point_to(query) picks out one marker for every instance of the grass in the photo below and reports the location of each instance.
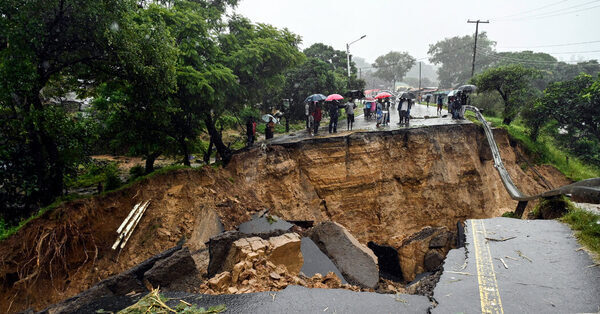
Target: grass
(545, 151)
(587, 228)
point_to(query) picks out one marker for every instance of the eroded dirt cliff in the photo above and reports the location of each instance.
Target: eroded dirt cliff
(382, 186)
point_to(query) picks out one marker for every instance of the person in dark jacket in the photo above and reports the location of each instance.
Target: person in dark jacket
(317, 115)
(333, 115)
(270, 128)
(250, 131)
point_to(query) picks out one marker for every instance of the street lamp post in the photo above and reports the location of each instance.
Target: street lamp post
(348, 56)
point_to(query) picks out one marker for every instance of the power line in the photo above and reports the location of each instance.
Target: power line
(562, 10)
(556, 45)
(551, 15)
(525, 61)
(531, 10)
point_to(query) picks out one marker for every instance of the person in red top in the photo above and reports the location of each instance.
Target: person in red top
(317, 115)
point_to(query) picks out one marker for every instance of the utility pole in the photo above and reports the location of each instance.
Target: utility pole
(348, 56)
(419, 93)
(475, 46)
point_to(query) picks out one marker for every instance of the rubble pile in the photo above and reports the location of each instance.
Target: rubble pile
(254, 264)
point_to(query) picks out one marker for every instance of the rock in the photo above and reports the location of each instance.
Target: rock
(237, 270)
(232, 290)
(315, 261)
(413, 249)
(206, 226)
(220, 281)
(357, 263)
(439, 241)
(170, 269)
(274, 275)
(219, 247)
(433, 260)
(286, 250)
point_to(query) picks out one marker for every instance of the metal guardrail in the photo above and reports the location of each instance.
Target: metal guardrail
(587, 189)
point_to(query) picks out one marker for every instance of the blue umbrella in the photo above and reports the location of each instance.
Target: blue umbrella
(315, 97)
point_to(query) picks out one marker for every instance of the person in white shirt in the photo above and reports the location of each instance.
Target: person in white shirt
(350, 106)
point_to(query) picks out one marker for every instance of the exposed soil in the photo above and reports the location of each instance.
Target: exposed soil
(382, 186)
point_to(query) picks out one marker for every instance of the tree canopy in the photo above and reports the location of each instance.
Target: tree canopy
(393, 66)
(455, 56)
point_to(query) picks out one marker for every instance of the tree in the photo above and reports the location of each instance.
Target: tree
(258, 55)
(455, 55)
(574, 106)
(393, 66)
(41, 41)
(512, 82)
(311, 77)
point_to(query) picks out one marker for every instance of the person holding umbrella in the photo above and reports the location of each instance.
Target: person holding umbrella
(334, 105)
(317, 115)
(269, 129)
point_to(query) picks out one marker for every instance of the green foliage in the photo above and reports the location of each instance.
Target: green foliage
(393, 66)
(512, 83)
(455, 55)
(509, 215)
(545, 151)
(587, 227)
(552, 207)
(93, 173)
(154, 302)
(136, 172)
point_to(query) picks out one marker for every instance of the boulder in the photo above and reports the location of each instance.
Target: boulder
(413, 249)
(357, 263)
(170, 269)
(219, 247)
(286, 250)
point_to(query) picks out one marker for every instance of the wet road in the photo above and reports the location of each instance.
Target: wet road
(518, 266)
(421, 115)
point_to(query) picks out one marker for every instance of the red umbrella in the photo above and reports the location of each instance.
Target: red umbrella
(334, 97)
(383, 95)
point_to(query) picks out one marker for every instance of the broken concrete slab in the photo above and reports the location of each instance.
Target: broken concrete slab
(172, 268)
(315, 261)
(208, 224)
(264, 223)
(357, 262)
(116, 286)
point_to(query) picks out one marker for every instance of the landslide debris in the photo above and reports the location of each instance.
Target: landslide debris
(383, 187)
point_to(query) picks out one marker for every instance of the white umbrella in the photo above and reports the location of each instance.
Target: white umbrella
(267, 116)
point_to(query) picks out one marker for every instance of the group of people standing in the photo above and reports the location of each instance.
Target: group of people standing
(456, 105)
(314, 115)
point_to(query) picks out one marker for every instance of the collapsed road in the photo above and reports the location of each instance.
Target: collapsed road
(403, 190)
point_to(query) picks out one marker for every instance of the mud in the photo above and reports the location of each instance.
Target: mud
(382, 186)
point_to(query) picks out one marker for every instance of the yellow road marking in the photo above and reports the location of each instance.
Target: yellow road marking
(488, 286)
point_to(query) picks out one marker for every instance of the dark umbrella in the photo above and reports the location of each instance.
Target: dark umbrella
(315, 97)
(408, 95)
(468, 88)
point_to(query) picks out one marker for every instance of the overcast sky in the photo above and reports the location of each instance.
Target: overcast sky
(413, 25)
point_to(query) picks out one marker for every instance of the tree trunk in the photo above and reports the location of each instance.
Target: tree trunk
(186, 153)
(287, 123)
(150, 159)
(216, 138)
(208, 152)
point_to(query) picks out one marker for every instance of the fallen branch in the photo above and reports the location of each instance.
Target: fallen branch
(499, 240)
(459, 272)
(523, 256)
(503, 263)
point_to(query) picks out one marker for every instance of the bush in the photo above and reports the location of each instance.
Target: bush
(552, 208)
(136, 171)
(587, 227)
